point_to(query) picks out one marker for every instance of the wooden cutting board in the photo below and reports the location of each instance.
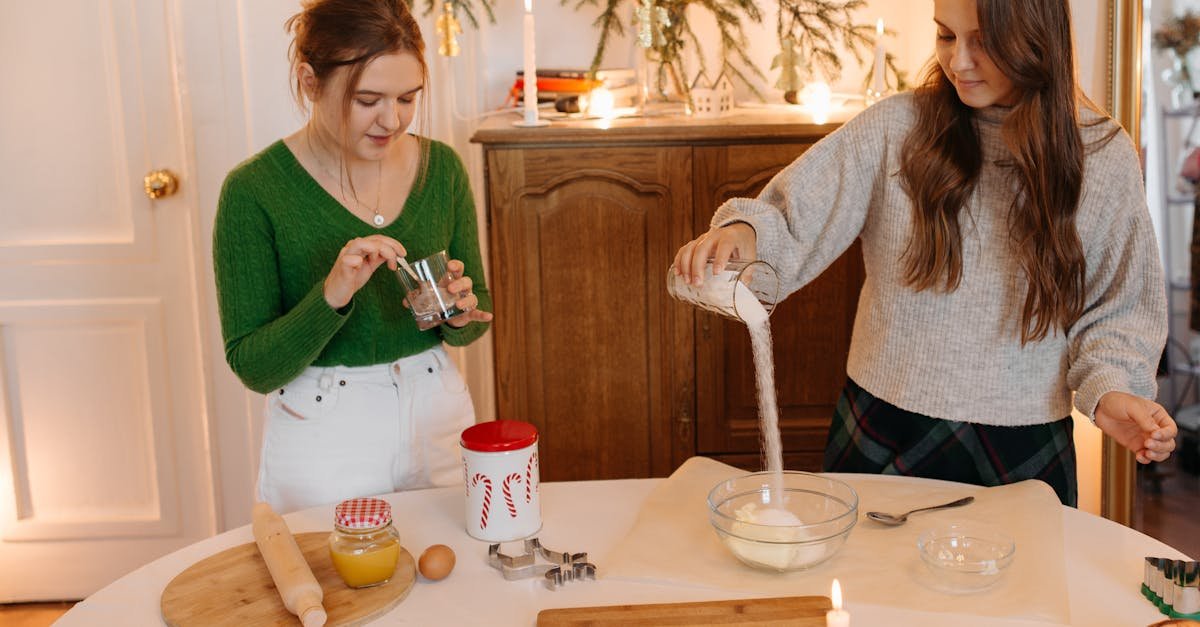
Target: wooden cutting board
(234, 587)
(792, 611)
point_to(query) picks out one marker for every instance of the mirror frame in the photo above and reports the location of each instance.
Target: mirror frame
(1117, 466)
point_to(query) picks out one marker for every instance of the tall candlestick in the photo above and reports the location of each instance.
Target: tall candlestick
(530, 73)
(837, 617)
(530, 67)
(879, 84)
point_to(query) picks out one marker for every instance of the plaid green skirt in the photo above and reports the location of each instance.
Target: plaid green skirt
(873, 436)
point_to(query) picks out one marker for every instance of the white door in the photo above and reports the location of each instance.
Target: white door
(104, 453)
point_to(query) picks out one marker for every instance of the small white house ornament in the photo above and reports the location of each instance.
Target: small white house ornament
(711, 99)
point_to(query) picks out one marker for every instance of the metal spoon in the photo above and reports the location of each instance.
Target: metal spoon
(894, 519)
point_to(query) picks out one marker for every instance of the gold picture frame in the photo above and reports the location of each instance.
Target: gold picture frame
(1117, 466)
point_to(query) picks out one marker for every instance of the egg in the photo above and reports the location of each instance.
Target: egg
(436, 562)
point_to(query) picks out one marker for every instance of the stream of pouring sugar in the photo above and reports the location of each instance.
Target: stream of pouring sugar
(758, 323)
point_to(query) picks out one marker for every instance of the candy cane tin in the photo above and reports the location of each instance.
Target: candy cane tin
(500, 469)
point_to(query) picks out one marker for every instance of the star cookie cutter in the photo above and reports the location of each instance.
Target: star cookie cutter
(556, 570)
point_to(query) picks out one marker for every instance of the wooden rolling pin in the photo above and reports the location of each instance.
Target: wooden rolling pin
(293, 578)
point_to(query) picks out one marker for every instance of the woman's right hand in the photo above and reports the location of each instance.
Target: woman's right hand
(1138, 424)
(356, 262)
(737, 240)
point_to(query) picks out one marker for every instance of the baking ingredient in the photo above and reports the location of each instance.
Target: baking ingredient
(757, 320)
(436, 562)
(293, 578)
(726, 293)
(364, 545)
(359, 569)
(770, 537)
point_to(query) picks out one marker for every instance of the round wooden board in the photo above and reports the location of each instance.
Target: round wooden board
(234, 587)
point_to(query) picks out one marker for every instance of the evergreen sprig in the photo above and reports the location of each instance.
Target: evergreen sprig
(464, 6)
(817, 26)
(608, 22)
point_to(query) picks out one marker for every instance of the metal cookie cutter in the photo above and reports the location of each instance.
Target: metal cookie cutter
(557, 569)
(560, 575)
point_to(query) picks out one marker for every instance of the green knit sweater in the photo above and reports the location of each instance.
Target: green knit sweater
(276, 237)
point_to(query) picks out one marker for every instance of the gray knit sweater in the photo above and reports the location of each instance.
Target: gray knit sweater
(958, 355)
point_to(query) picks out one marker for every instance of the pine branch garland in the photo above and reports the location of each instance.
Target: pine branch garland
(730, 15)
(815, 34)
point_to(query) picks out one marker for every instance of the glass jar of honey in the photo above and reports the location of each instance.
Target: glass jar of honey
(364, 545)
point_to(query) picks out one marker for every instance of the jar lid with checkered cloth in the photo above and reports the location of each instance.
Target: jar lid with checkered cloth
(362, 514)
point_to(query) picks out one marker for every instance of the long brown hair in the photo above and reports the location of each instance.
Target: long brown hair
(334, 34)
(1030, 42)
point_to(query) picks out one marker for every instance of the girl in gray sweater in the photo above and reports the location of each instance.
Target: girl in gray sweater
(1011, 266)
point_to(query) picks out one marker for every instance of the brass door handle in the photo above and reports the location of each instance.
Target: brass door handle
(160, 183)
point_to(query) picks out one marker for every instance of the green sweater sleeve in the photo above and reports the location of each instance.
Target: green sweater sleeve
(265, 346)
(464, 246)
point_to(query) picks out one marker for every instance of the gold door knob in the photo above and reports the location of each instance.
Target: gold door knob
(160, 183)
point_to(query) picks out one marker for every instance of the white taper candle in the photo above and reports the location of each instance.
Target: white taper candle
(878, 84)
(530, 67)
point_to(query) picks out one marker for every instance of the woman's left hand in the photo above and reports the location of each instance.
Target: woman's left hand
(1138, 424)
(467, 300)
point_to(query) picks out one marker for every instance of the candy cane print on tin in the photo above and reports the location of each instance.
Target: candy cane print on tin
(486, 503)
(508, 499)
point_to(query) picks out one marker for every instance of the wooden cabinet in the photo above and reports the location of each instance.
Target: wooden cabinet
(620, 379)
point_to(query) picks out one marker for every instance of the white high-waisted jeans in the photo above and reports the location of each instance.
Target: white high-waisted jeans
(338, 433)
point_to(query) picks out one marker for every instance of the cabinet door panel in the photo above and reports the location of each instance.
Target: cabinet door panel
(811, 331)
(587, 347)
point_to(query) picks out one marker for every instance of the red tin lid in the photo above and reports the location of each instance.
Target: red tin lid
(362, 513)
(499, 435)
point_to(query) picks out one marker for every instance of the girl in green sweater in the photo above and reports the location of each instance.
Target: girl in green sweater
(359, 400)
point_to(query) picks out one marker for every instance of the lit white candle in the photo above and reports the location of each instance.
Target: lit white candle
(837, 617)
(531, 113)
(878, 85)
(817, 99)
(600, 103)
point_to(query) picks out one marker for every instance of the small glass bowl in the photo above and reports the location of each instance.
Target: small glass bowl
(965, 558)
(804, 528)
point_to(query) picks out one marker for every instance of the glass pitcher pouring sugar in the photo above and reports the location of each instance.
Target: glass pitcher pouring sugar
(745, 290)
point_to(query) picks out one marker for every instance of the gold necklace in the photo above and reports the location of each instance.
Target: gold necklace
(378, 218)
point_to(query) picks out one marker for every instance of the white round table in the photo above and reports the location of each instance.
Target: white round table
(1104, 567)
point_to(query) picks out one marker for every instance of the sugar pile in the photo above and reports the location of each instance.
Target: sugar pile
(772, 539)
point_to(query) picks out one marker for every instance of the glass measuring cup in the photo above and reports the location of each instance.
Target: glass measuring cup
(745, 290)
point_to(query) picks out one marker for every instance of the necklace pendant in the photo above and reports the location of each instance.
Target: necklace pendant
(378, 220)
